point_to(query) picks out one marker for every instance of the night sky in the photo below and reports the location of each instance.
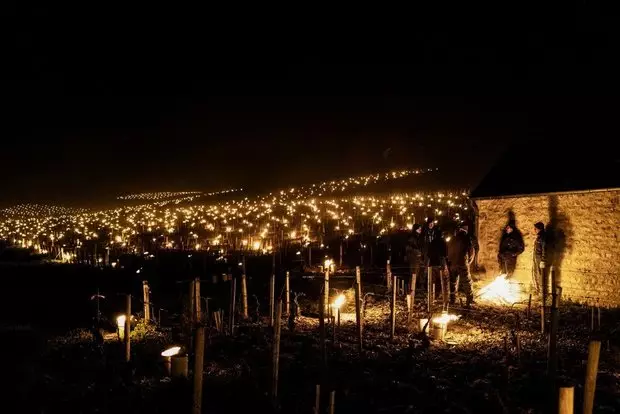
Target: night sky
(101, 100)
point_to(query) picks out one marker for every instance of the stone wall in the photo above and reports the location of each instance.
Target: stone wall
(588, 257)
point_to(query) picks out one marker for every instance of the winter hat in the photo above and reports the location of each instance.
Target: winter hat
(539, 225)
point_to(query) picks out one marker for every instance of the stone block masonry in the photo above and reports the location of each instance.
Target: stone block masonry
(587, 254)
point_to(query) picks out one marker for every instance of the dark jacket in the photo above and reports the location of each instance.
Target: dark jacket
(540, 247)
(416, 242)
(435, 249)
(511, 244)
(460, 249)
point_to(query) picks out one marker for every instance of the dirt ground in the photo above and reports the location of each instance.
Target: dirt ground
(477, 367)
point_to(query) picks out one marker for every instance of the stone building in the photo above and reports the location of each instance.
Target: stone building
(578, 200)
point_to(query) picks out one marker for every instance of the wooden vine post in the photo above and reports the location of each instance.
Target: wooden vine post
(191, 303)
(317, 399)
(199, 348)
(326, 292)
(552, 362)
(146, 300)
(411, 297)
(594, 351)
(244, 292)
(272, 294)
(197, 301)
(287, 294)
(429, 283)
(358, 307)
(566, 400)
(332, 402)
(393, 308)
(388, 276)
(322, 330)
(233, 302)
(276, 353)
(128, 329)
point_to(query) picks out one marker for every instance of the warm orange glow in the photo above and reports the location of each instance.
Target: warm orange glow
(501, 291)
(339, 301)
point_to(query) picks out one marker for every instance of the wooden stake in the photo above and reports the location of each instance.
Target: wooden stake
(199, 348)
(518, 347)
(317, 399)
(388, 276)
(146, 300)
(233, 300)
(542, 318)
(393, 308)
(358, 307)
(552, 354)
(272, 294)
(529, 306)
(128, 329)
(191, 304)
(197, 301)
(429, 286)
(566, 400)
(244, 292)
(414, 278)
(594, 350)
(287, 294)
(276, 352)
(332, 402)
(326, 292)
(408, 299)
(322, 330)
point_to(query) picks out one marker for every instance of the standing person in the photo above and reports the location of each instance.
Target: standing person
(415, 252)
(461, 252)
(540, 257)
(436, 260)
(510, 246)
(474, 243)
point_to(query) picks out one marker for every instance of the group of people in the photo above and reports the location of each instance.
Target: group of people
(447, 263)
(448, 259)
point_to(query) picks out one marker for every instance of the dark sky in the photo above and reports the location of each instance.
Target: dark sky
(102, 99)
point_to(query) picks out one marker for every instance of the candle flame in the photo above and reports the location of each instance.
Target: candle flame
(171, 351)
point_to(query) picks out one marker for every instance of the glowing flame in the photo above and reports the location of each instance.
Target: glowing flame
(171, 351)
(445, 318)
(339, 301)
(501, 291)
